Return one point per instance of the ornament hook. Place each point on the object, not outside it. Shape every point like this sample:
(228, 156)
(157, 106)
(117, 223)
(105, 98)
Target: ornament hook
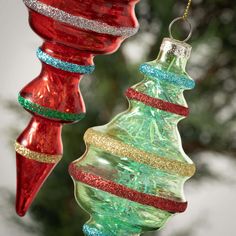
(186, 21)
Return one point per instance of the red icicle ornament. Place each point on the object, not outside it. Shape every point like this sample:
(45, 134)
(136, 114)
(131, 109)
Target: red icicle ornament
(73, 33)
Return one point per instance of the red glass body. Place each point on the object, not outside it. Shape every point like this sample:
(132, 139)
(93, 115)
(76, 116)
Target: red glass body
(57, 89)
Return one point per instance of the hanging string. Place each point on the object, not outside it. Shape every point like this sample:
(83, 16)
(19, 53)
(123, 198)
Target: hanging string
(185, 19)
(186, 11)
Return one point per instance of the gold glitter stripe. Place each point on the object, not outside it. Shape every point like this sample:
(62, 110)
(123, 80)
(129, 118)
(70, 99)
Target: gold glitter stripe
(119, 148)
(36, 156)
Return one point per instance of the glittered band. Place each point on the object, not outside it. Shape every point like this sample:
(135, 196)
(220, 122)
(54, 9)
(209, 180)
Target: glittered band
(47, 112)
(125, 192)
(78, 21)
(36, 156)
(181, 81)
(66, 66)
(89, 231)
(118, 148)
(157, 103)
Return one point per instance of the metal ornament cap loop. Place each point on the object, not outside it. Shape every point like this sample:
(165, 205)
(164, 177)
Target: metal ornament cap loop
(188, 23)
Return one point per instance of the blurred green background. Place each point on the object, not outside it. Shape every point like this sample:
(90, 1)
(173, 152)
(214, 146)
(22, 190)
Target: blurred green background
(210, 130)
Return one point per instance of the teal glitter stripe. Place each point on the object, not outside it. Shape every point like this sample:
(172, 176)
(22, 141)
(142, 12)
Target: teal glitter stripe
(92, 231)
(66, 66)
(181, 81)
(47, 112)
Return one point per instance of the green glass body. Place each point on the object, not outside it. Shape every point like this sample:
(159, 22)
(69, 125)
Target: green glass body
(147, 129)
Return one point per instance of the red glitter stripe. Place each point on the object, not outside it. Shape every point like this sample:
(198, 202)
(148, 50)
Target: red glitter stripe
(124, 192)
(157, 103)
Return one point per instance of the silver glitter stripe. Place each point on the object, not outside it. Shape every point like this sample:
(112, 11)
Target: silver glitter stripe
(78, 21)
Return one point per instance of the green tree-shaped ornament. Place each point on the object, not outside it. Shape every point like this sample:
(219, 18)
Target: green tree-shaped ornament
(131, 177)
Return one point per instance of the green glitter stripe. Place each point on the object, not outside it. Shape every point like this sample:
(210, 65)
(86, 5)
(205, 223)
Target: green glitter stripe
(47, 112)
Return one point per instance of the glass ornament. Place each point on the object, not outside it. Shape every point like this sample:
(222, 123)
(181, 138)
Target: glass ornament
(74, 31)
(131, 177)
